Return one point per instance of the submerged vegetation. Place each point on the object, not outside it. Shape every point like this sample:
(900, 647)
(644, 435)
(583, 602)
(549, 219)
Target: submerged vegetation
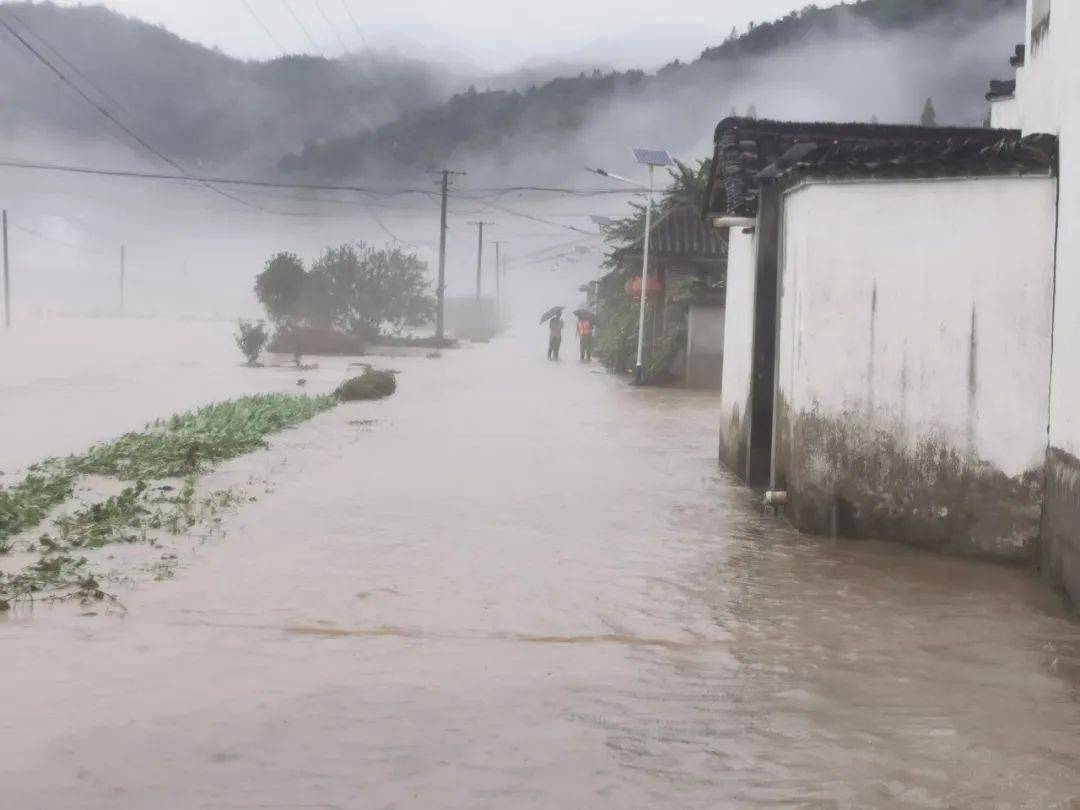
(190, 442)
(26, 504)
(251, 339)
(180, 447)
(372, 384)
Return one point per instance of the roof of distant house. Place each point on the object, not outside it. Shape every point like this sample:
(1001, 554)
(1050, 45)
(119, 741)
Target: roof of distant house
(680, 233)
(1001, 89)
(746, 148)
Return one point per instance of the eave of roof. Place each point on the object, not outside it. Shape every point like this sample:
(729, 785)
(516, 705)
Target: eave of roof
(746, 147)
(680, 234)
(944, 158)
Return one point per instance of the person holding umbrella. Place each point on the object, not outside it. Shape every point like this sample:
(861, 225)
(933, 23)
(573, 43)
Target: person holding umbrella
(555, 327)
(585, 333)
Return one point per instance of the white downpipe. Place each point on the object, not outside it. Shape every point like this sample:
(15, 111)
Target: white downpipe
(639, 369)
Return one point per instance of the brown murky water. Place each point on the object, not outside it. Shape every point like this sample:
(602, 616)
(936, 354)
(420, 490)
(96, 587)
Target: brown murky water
(526, 585)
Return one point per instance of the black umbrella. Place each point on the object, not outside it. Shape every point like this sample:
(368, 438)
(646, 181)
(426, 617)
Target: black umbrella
(584, 315)
(551, 313)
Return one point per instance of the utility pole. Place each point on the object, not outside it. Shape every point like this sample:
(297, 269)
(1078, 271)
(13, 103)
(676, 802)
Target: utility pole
(480, 257)
(440, 290)
(498, 272)
(123, 268)
(7, 279)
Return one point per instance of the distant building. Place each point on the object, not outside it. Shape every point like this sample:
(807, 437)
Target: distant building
(682, 248)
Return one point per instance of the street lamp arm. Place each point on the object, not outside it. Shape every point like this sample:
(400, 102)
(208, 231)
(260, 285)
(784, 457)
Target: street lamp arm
(603, 173)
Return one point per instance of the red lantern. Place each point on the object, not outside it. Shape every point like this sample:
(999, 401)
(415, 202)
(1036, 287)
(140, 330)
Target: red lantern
(653, 290)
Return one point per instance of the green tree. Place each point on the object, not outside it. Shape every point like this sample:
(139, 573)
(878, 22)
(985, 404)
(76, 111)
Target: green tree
(280, 286)
(251, 337)
(929, 114)
(366, 291)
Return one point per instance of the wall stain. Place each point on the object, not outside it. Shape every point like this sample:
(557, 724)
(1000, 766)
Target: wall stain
(1061, 523)
(873, 347)
(973, 380)
(930, 495)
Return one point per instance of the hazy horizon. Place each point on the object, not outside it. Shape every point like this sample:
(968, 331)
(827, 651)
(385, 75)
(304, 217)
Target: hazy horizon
(621, 34)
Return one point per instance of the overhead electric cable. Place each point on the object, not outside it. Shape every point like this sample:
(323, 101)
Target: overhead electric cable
(356, 25)
(300, 23)
(112, 118)
(540, 220)
(235, 181)
(332, 27)
(264, 27)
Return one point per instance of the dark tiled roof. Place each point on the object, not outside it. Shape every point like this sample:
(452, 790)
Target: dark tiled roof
(1020, 57)
(746, 147)
(945, 157)
(681, 233)
(1001, 89)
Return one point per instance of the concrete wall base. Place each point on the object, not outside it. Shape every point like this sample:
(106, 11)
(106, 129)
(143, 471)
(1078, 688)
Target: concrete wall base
(863, 483)
(1061, 523)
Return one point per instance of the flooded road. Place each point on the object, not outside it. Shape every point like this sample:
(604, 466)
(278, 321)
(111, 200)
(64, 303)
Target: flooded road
(520, 584)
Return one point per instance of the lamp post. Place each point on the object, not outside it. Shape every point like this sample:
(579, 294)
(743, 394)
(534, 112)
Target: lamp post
(651, 158)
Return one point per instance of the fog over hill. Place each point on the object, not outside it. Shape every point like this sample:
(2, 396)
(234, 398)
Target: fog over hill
(878, 58)
(194, 103)
(384, 119)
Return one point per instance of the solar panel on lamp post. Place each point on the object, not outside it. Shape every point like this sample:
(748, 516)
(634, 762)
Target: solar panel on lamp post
(651, 158)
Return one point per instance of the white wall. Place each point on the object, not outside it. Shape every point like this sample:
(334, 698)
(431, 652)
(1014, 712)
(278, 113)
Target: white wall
(1005, 113)
(929, 253)
(1048, 91)
(738, 339)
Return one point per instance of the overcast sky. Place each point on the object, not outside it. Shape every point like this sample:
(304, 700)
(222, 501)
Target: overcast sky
(490, 34)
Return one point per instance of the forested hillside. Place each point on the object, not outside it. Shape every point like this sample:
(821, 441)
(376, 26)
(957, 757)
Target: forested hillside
(877, 58)
(192, 102)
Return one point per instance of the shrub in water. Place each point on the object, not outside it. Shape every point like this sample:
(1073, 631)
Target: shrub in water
(372, 384)
(251, 337)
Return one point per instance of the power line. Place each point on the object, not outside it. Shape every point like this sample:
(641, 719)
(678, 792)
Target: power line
(333, 28)
(540, 219)
(356, 25)
(108, 115)
(264, 27)
(300, 23)
(234, 181)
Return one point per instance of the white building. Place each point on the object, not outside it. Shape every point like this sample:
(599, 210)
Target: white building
(892, 310)
(902, 323)
(1047, 100)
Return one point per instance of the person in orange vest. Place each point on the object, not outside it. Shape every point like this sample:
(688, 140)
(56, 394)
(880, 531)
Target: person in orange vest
(585, 337)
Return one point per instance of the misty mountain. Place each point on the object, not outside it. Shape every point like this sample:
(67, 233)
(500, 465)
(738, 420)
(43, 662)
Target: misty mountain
(875, 58)
(193, 103)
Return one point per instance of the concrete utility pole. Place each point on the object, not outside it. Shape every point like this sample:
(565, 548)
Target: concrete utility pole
(480, 256)
(123, 269)
(7, 279)
(440, 291)
(498, 272)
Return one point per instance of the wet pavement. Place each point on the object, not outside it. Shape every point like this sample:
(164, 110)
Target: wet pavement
(520, 584)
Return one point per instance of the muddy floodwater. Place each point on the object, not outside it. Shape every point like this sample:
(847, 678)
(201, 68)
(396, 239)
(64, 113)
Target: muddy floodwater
(516, 584)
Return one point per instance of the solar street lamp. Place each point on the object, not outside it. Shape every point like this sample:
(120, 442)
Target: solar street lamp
(651, 158)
